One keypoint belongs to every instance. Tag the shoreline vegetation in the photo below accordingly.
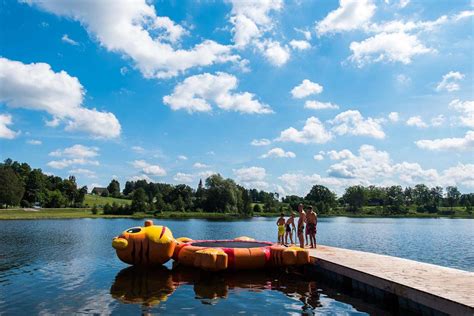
(27, 193)
(77, 213)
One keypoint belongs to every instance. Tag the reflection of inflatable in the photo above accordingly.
(150, 286)
(155, 245)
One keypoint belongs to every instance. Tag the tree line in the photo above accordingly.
(20, 185)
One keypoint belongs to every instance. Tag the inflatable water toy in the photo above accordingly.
(155, 245)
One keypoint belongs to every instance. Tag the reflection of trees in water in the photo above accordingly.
(149, 287)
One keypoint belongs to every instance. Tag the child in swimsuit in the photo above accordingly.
(290, 223)
(281, 228)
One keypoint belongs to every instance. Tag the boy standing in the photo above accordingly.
(281, 228)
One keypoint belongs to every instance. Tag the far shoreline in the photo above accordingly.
(78, 213)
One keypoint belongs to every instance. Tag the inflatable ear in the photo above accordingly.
(147, 245)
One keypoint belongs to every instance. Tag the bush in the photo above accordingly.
(94, 210)
(25, 203)
(257, 208)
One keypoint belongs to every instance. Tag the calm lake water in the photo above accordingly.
(69, 266)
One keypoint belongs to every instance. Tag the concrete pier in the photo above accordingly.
(415, 286)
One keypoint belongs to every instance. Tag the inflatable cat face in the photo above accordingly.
(147, 245)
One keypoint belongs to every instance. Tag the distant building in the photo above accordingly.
(98, 191)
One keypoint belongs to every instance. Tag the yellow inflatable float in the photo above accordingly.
(155, 245)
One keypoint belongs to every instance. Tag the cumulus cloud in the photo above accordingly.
(275, 53)
(37, 87)
(73, 156)
(456, 143)
(318, 157)
(278, 152)
(393, 117)
(300, 44)
(34, 142)
(450, 81)
(350, 15)
(438, 120)
(416, 121)
(261, 142)
(149, 169)
(183, 177)
(306, 88)
(313, 132)
(317, 105)
(68, 40)
(389, 47)
(251, 177)
(197, 93)
(67, 162)
(150, 41)
(466, 110)
(138, 149)
(5, 132)
(182, 157)
(199, 165)
(375, 167)
(353, 123)
(140, 177)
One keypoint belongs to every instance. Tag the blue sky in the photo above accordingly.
(341, 92)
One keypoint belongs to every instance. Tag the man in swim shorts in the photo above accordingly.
(281, 228)
(301, 222)
(289, 225)
(312, 221)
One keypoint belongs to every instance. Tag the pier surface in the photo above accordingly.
(447, 290)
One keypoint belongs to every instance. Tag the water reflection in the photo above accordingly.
(150, 287)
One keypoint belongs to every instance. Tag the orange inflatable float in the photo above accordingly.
(155, 245)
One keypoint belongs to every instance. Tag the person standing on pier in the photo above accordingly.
(289, 228)
(301, 222)
(312, 221)
(281, 228)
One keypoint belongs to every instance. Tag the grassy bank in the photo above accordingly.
(91, 200)
(68, 213)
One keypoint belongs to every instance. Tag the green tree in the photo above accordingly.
(179, 204)
(35, 187)
(11, 187)
(452, 195)
(81, 195)
(114, 188)
(257, 208)
(139, 200)
(321, 197)
(56, 199)
(355, 197)
(394, 198)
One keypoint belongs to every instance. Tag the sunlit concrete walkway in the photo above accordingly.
(444, 289)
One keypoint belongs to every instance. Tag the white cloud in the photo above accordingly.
(403, 3)
(195, 94)
(206, 174)
(403, 80)
(251, 19)
(306, 33)
(123, 71)
(300, 44)
(374, 167)
(438, 120)
(64, 163)
(183, 177)
(37, 87)
(394, 117)
(149, 169)
(318, 157)
(416, 121)
(338, 155)
(461, 143)
(390, 47)
(260, 142)
(149, 40)
(450, 81)
(182, 157)
(5, 132)
(140, 177)
(466, 110)
(76, 151)
(34, 142)
(68, 40)
(312, 132)
(138, 149)
(350, 15)
(353, 123)
(306, 88)
(83, 172)
(275, 53)
(317, 105)
(199, 165)
(251, 177)
(278, 152)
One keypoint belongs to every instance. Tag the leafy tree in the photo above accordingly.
(139, 200)
(11, 187)
(81, 195)
(421, 194)
(129, 187)
(453, 195)
(257, 208)
(105, 193)
(114, 188)
(55, 199)
(35, 187)
(321, 197)
(179, 204)
(394, 198)
(355, 197)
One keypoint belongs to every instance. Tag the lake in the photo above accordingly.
(69, 266)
